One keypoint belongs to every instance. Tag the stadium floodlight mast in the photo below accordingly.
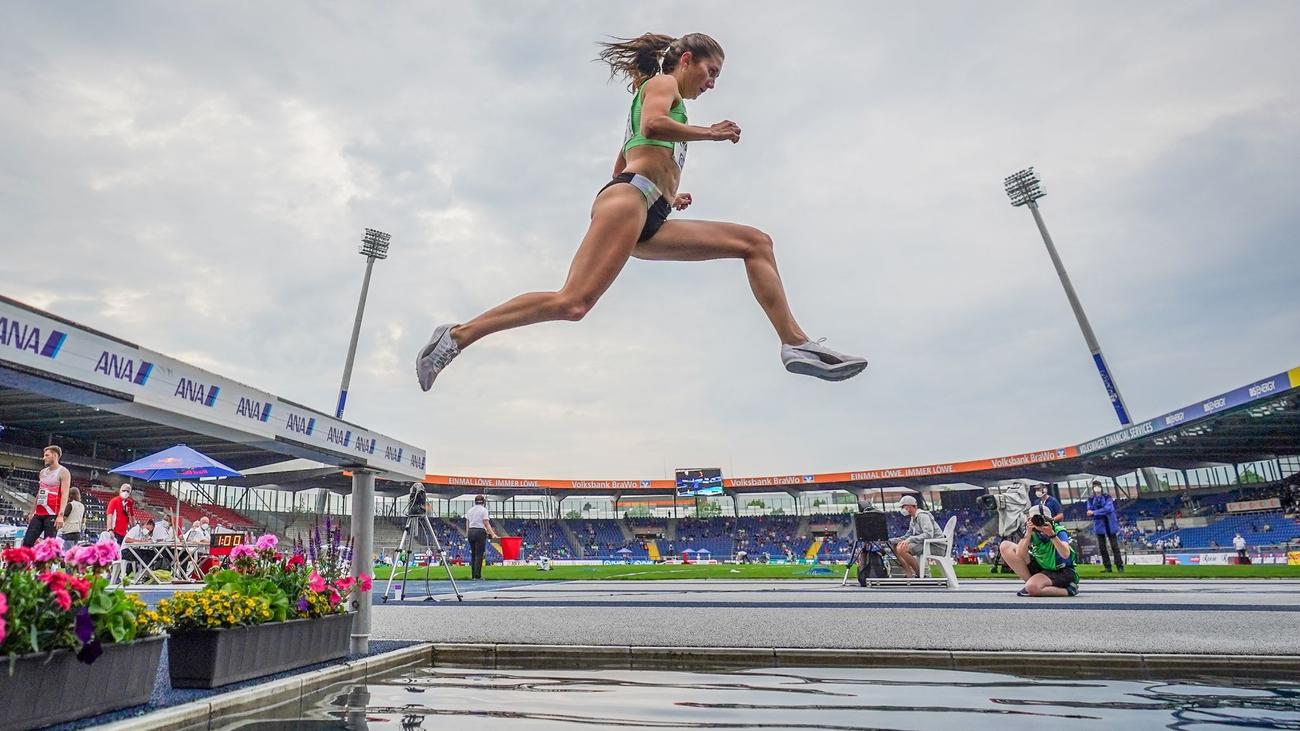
(1024, 189)
(374, 245)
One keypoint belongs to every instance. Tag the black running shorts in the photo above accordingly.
(655, 215)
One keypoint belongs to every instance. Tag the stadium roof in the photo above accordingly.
(1258, 421)
(61, 378)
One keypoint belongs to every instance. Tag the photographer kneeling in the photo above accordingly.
(1044, 558)
(921, 527)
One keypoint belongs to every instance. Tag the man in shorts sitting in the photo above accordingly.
(921, 527)
(1044, 558)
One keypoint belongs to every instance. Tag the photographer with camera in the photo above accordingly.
(921, 527)
(1044, 558)
(1043, 496)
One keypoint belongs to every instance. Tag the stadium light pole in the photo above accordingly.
(374, 245)
(1024, 189)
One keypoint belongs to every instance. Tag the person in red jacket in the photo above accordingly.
(121, 512)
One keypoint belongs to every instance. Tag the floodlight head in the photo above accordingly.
(1023, 187)
(375, 244)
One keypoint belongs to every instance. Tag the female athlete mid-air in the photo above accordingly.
(630, 215)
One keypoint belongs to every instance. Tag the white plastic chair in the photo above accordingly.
(939, 550)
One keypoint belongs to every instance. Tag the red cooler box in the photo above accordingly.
(510, 547)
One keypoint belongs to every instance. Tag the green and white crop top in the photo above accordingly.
(633, 137)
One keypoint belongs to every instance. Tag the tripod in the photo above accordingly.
(411, 531)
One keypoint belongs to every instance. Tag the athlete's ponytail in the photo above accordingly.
(638, 59)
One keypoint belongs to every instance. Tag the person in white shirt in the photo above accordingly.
(1239, 544)
(141, 532)
(162, 532)
(197, 532)
(478, 527)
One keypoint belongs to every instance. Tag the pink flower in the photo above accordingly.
(335, 598)
(62, 598)
(241, 551)
(295, 560)
(4, 603)
(2, 630)
(365, 582)
(316, 582)
(106, 552)
(267, 542)
(48, 549)
(345, 583)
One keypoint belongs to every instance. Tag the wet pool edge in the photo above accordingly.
(287, 692)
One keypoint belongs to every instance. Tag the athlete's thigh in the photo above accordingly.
(616, 220)
(697, 241)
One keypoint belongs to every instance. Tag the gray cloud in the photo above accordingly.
(196, 177)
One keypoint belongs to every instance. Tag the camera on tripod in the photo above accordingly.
(416, 500)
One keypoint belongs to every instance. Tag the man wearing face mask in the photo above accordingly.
(1105, 523)
(120, 513)
(1044, 558)
(1043, 496)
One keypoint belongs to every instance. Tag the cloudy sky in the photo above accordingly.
(195, 177)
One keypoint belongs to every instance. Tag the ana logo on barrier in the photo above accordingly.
(342, 437)
(21, 336)
(253, 409)
(393, 454)
(196, 392)
(123, 368)
(300, 424)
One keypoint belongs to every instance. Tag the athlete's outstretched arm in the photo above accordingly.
(657, 125)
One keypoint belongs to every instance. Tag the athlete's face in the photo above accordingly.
(698, 75)
(49, 458)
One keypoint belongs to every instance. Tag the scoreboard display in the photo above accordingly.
(699, 481)
(220, 544)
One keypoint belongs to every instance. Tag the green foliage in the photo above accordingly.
(115, 612)
(756, 504)
(638, 511)
(573, 515)
(34, 622)
(778, 511)
(257, 587)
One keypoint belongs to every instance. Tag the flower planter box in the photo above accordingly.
(48, 688)
(210, 658)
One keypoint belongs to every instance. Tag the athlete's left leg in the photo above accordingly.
(705, 240)
(702, 240)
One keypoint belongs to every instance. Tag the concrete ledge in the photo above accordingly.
(670, 657)
(281, 698)
(1193, 666)
(1047, 665)
(380, 664)
(815, 657)
(600, 656)
(475, 654)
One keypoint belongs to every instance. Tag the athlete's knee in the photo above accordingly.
(758, 243)
(573, 307)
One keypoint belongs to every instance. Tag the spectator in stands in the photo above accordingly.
(922, 526)
(120, 514)
(51, 494)
(1239, 545)
(478, 528)
(1105, 523)
(74, 514)
(1044, 558)
(1043, 496)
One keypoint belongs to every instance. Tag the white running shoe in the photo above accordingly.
(814, 359)
(435, 355)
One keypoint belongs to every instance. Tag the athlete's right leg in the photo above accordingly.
(616, 220)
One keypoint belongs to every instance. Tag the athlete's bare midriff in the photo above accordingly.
(657, 164)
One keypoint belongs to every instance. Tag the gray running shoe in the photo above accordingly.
(814, 359)
(435, 355)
